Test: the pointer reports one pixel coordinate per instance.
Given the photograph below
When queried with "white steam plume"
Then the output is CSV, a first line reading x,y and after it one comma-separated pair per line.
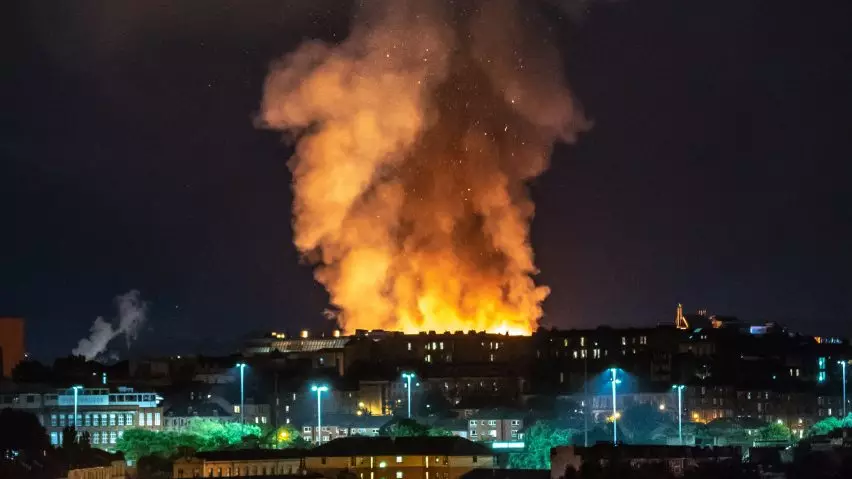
x,y
131,315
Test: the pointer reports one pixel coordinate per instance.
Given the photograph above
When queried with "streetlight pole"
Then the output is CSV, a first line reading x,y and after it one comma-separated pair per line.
x,y
585,401
843,368
614,381
679,389
319,390
242,367
408,377
76,389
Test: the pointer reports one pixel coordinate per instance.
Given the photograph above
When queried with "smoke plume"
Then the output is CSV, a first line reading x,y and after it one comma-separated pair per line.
x,y
414,142
131,315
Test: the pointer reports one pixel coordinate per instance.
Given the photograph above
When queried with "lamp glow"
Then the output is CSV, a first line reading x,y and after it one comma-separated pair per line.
x,y
679,388
408,377
319,390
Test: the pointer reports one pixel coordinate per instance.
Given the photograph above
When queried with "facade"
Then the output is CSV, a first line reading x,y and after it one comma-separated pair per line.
x,y
240,463
496,425
336,426
400,458
105,415
12,348
116,470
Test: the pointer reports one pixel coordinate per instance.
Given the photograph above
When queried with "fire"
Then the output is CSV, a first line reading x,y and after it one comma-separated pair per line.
x,y
415,139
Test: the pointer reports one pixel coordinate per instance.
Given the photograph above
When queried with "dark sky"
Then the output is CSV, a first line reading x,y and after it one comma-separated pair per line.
x,y
717,173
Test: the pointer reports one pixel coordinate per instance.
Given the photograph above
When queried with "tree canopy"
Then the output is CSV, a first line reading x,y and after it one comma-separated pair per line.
x,y
774,432
539,439
830,424
201,435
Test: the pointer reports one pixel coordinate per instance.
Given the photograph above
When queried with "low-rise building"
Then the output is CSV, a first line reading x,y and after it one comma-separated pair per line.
x,y
444,457
500,424
335,426
240,463
105,415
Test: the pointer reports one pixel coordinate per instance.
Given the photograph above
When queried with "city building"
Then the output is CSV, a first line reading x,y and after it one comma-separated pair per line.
x,y
241,463
399,458
12,347
105,415
335,426
496,425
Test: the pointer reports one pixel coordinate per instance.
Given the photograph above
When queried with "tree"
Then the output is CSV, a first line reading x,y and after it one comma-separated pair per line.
x,y
825,426
643,424
201,435
20,431
539,439
774,432
401,427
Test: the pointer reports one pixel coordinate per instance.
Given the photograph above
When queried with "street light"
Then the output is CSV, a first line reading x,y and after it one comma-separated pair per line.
x,y
843,367
319,390
614,382
76,388
679,388
242,367
408,377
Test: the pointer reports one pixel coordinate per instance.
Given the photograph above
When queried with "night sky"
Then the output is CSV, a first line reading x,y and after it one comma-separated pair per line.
x,y
717,173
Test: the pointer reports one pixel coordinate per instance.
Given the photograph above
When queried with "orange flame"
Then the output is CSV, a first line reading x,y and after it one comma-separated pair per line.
x,y
415,139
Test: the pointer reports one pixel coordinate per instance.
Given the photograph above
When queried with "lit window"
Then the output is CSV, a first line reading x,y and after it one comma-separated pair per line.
x,y
54,438
53,420
112,437
237,408
409,346
141,419
120,419
157,419
398,459
96,437
398,474
582,341
150,418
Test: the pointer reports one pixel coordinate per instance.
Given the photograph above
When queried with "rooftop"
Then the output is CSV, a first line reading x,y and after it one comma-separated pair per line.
x,y
250,454
401,446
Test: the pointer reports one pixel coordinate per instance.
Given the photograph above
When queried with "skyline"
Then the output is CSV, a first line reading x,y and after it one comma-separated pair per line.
x,y
714,175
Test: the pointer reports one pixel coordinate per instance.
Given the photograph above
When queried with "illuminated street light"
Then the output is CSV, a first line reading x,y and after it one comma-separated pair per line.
x,y
614,382
679,388
76,388
408,377
843,367
319,390
242,367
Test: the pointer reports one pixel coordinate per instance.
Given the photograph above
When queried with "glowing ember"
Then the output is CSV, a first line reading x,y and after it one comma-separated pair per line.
x,y
415,139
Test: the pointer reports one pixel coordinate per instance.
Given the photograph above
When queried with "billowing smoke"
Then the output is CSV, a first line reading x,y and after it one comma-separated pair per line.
x,y
414,142
131,315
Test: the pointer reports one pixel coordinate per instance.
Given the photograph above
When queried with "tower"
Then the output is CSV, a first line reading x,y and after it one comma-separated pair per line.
x,y
680,321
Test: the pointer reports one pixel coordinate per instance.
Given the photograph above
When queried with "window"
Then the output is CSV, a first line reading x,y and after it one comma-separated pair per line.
x,y
96,437
821,363
409,346
53,420
475,459
112,419
306,429
96,419
492,422
112,437
141,418
472,432
516,422
473,422
54,438
398,459
821,377
121,419
398,474
128,419
62,420
156,419
150,418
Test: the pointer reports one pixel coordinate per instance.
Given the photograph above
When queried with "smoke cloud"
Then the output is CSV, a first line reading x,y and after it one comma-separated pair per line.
x,y
414,142
131,316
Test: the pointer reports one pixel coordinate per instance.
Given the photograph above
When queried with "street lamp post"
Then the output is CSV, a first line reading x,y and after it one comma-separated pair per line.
x,y
408,377
843,368
76,389
242,367
614,382
319,390
679,388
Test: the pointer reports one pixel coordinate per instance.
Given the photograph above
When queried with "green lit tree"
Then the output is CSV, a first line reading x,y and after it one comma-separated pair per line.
x,y
774,432
825,426
539,439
